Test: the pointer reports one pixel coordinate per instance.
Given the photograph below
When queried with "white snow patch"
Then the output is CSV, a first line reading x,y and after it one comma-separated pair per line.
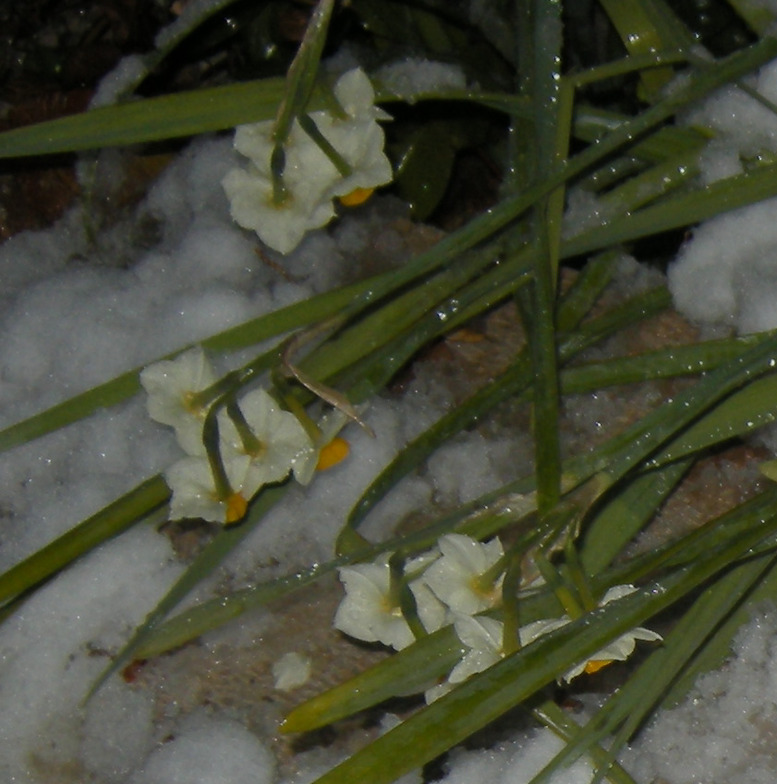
x,y
413,75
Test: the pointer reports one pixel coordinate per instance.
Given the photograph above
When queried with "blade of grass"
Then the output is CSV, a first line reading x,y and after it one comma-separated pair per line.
x,y
550,145
554,718
409,671
149,120
626,513
118,516
511,383
758,587
745,410
679,210
649,26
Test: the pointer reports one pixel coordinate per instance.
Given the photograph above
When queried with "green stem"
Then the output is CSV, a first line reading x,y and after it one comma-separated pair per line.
x,y
311,129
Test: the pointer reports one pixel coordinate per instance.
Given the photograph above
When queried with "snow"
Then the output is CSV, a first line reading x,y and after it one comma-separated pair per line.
x,y
209,750
74,315
515,762
413,75
69,325
731,257
725,730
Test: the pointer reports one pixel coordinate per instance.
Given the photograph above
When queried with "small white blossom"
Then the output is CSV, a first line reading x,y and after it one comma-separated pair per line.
x,y
368,612
282,441
171,386
310,178
307,178
194,494
455,577
618,650
483,638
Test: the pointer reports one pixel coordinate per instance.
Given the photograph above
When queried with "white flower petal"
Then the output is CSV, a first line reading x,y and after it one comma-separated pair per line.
x,y
362,147
354,92
194,493
454,577
438,690
483,637
615,593
280,227
366,612
279,432
170,385
529,633
431,611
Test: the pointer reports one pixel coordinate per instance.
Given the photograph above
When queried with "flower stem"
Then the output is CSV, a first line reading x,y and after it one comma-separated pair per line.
x,y
311,129
280,193
210,438
251,444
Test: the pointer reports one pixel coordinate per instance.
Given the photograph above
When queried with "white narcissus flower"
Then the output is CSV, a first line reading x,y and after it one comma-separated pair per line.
x,y
282,441
358,137
368,612
195,494
455,577
618,650
310,178
483,637
171,386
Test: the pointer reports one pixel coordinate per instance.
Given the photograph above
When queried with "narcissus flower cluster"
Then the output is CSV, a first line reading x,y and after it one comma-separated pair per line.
x,y
258,442
328,155
453,584
441,580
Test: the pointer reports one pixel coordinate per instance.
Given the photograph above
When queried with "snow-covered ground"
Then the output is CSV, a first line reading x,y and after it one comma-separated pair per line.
x,y
75,314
